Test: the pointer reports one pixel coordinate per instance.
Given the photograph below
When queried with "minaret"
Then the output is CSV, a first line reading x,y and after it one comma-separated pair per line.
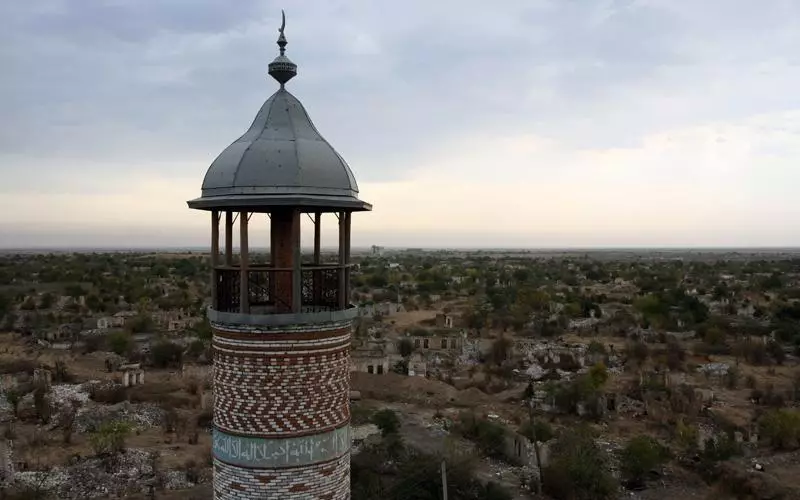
x,y
282,330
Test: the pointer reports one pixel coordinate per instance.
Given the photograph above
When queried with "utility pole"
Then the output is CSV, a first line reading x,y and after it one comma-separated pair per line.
x,y
534,435
444,481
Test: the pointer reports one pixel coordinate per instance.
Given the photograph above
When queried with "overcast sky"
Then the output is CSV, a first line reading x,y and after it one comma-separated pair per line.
x,y
525,123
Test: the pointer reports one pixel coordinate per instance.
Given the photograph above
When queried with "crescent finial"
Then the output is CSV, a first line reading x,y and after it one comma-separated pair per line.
x,y
283,22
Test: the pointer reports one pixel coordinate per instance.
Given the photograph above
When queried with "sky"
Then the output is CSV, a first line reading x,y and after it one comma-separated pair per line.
x,y
519,123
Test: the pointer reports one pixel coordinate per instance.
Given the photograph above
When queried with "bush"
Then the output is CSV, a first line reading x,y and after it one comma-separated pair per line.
x,y
719,448
538,430
781,428
387,421
676,356
487,435
121,343
108,395
166,353
205,419
578,469
641,455
638,351
686,436
110,437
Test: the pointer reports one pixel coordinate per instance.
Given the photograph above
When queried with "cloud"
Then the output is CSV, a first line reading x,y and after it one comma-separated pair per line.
x,y
616,112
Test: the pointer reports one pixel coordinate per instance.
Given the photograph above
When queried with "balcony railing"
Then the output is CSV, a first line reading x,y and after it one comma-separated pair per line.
x,y
272,290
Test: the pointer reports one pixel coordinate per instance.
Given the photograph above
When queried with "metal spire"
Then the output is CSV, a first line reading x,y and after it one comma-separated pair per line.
x,y
282,69
281,38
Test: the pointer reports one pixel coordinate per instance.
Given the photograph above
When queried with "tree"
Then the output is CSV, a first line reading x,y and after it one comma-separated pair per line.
x,y
500,350
67,421
406,347
488,435
41,402
781,428
5,304
121,343
598,374
110,437
14,397
578,469
537,431
387,421
47,300
641,455
203,329
166,353
141,323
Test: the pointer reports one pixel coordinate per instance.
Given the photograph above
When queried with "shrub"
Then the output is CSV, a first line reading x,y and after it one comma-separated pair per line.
x,y
538,430
686,436
638,351
14,397
639,456
121,343
781,428
578,469
676,355
166,353
487,435
108,395
110,437
41,402
719,448
387,421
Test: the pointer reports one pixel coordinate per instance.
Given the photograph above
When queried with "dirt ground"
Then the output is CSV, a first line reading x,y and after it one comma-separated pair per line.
x,y
411,318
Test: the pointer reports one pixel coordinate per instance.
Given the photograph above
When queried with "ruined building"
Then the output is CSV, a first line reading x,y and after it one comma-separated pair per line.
x,y
281,330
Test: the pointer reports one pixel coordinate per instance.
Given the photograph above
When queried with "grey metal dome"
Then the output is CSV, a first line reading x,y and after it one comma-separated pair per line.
x,y
282,160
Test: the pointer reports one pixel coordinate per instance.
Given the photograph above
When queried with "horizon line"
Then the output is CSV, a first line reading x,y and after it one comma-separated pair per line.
x,y
180,248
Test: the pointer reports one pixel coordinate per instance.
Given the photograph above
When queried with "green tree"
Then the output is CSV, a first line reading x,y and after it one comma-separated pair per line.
x,y
47,300
141,323
500,351
41,402
781,428
598,374
121,343
387,421
14,397
202,329
5,305
110,437
488,435
639,456
166,353
578,469
405,347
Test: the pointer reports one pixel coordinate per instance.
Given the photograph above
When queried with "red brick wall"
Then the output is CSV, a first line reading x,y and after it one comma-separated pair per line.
x,y
326,481
281,384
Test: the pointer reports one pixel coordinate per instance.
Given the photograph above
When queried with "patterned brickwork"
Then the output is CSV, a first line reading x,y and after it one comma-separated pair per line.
x,y
326,481
288,384
277,385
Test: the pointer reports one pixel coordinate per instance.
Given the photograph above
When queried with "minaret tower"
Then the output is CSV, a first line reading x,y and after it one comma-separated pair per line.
x,y
281,330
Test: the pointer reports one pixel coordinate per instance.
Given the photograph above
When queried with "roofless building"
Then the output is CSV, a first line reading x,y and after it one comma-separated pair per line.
x,y
281,330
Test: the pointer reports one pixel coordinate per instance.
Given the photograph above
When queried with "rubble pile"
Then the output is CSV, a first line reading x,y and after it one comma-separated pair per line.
x,y
63,394
127,473
89,418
